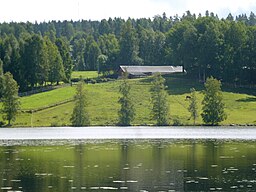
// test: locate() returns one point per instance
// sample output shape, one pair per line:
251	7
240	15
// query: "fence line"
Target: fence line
42	89
47	107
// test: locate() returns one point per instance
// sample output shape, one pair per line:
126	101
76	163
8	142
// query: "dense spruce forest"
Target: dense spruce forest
39	53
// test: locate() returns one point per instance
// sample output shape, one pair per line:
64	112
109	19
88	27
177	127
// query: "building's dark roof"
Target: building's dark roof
143	70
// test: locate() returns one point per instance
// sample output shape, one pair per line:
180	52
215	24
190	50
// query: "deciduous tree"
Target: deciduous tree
127	111
34	60
159	99
11	103
56	69
80	116
213	105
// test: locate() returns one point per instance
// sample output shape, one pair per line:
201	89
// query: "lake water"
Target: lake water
52	163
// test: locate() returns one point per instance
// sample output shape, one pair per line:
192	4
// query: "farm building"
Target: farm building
140	71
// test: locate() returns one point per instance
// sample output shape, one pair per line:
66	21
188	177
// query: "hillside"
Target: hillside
54	108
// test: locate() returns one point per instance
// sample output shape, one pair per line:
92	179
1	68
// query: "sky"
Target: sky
47	10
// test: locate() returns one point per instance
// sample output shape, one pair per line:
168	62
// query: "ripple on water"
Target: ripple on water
132	181
126	168
68	166
226	157
15	180
43	174
94	188
118	181
203	178
232	169
109	188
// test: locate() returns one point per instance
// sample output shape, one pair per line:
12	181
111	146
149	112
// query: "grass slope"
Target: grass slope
84	74
103	104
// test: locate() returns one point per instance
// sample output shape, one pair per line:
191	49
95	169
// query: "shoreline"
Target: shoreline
138	132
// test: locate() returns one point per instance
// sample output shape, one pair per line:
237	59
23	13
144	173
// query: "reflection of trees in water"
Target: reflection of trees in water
8	165
124	162
79	163
156	166
165	168
96	165
151	165
17	172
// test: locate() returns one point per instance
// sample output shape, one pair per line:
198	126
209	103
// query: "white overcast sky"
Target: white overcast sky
47	10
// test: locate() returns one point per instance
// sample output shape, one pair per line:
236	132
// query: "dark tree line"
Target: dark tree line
35	60
36	53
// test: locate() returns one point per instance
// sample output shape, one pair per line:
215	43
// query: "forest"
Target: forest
37	54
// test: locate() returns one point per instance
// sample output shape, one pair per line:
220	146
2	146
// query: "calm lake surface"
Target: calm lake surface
127	165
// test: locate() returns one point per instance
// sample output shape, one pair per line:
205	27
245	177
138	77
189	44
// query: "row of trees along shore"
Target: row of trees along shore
39	53
213	106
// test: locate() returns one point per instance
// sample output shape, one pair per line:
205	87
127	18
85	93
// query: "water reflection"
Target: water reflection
130	165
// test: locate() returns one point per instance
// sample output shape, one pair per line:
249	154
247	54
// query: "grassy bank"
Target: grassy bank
103	97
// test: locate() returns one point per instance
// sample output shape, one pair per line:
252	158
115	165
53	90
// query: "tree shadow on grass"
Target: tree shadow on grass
247	99
240	90
178	85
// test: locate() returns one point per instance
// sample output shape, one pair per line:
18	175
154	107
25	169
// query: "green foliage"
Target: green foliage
159	99
1	79
109	46
213	105
129	45
56	70
63	48
80	116
34	58
102	64
205	45
127	111
93	54
193	106
10	99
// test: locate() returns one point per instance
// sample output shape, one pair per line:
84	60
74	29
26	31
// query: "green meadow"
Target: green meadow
55	106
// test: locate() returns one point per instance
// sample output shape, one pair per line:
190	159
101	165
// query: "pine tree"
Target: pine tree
10	99
213	106
80	115
159	99
193	107
127	112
